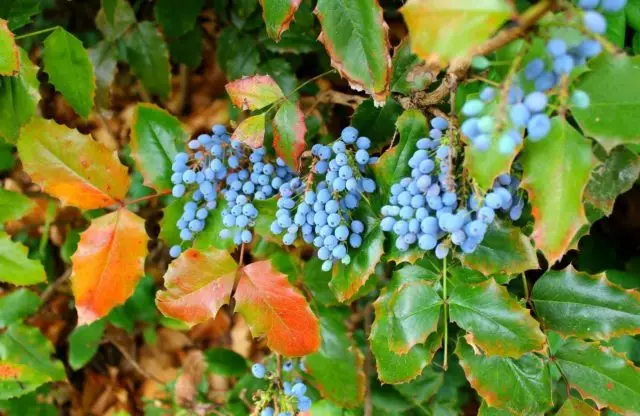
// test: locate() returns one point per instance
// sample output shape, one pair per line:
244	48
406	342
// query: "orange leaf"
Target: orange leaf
254	93
72	166
108	263
198	284
273	308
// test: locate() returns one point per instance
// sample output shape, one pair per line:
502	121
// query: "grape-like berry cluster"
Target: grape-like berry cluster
424	209
323	214
291	396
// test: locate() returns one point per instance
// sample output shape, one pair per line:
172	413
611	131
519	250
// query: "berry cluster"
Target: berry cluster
286	398
424	210
323	215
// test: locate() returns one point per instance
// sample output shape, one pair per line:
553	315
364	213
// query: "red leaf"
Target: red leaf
273	308
289	130
198	284
277	15
254	93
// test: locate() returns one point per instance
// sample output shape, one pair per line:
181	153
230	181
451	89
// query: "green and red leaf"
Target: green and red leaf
254	93
277	15
289	130
251	131
576	407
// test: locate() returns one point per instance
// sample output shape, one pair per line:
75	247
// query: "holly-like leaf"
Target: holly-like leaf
254	93
169	231
17	380
520	386
114	18
156	138
84	342
17	305
210	236
71	166
251	131
15	266
198	284
600	374
614	176
414	311
455	26
496	322
486	410
276	310
13	205
356	38
404	61
317	282
614	94
289	130
104	58
19	12
236	53
577	304
108	263
67	63
393	165
338	366
19	96
9	56
277	15
177	17
377	123
556	172
576	407
225	362
504	249
422	388
148	56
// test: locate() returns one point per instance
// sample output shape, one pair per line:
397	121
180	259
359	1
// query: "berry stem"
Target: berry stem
445	363
38	32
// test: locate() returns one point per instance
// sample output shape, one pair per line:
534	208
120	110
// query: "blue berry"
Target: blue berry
258	370
538	127
349	135
595	22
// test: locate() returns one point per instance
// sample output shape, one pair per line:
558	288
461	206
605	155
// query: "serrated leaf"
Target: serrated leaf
414	311
455	26
317	282
504	249
108	264
289	130
72	166
422	388
486	410
576	407
348	279
614	94
13	205
19	96
19	12
520	386
9	56
251	131
360	55
156	138
17	305
577	304
103	57
277	15
393	165
273	308
198	284
338	366
404	62
377	123
177	17
556	172
225	362
84	342
114	18
254	93
149	58
600	374
496	322
236	53
428	268
15	266
67	63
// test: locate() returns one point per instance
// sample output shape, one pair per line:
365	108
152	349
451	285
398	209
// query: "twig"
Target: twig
368	360
144	373
184	89
146	198
51	289
39	32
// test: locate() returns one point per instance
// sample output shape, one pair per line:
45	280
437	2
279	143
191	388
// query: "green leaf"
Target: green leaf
156	138
19	96
520	386
577	304
277	15
251	131
422	388
13	205
115	18
225	362
393	165
17	305
27	346
576	407
289	131
428	268
361	56
496	322
15	266
149	59
317	281
403	80
9	56
18	379
104	58
283	73
210	236
338	366
377	123
632	11
556	172
615	100
267	209
19	12
236	53
29	404
141	306
504	249
67	63
169	231
187	49
614	176
84	342
414	311
348	279
486	410
616	27
600	374
177	17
